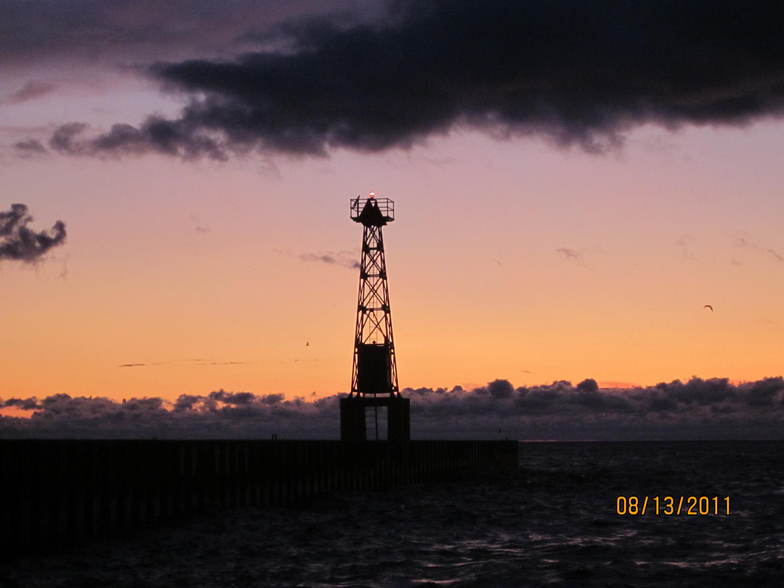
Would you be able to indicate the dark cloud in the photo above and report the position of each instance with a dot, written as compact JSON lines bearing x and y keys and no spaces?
{"x":697,"y":409}
{"x":186,"y":402}
{"x":18,"y":242}
{"x":29,"y":148}
{"x":86,"y":32}
{"x":63,"y":137}
{"x":500,"y":389}
{"x":578,"y":73}
{"x":30,"y":91}
{"x":233,"y":398}
{"x":23,"y":403}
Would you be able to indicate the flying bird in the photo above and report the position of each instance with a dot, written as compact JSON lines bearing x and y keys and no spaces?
{"x":708,"y":306}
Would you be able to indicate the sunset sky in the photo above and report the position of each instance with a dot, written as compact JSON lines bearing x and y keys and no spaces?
{"x":568,"y":245}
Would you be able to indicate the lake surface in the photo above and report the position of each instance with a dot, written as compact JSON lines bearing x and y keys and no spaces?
{"x":553,"y":524}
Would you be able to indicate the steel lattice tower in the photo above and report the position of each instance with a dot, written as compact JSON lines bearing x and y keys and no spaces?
{"x":374,"y":370}
{"x":373,"y":338}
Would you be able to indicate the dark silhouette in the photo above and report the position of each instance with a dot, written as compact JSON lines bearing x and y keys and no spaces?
{"x":59,"y":492}
{"x":374,"y":384}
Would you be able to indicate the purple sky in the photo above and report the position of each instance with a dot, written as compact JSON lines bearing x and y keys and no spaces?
{"x":574,"y":183}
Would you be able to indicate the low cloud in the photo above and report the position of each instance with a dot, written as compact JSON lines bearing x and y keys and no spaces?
{"x":697,"y":409}
{"x":22,"y":403}
{"x":20,"y":243}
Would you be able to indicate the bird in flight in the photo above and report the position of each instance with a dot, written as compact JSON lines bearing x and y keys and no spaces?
{"x":708,"y":306}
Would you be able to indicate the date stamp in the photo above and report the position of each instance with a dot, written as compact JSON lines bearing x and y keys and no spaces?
{"x":672,"y":505}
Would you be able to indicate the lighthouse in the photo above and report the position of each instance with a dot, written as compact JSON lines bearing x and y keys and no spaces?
{"x":374,"y":409}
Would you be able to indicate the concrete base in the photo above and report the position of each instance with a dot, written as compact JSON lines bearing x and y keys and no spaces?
{"x":352,"y":417}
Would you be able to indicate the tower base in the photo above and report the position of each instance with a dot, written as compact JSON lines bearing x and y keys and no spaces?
{"x":353,"y":425}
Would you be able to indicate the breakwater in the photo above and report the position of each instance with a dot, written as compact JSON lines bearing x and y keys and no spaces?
{"x":57,"y":492}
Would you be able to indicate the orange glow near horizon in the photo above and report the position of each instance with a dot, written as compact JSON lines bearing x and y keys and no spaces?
{"x":527,"y":264}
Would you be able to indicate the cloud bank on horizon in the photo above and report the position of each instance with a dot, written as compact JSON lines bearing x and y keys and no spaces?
{"x":697,"y":409}
{"x":577,"y":73}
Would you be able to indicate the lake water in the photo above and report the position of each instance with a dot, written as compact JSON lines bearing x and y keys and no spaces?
{"x":553,"y":524}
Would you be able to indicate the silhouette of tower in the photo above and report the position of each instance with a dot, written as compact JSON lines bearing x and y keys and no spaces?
{"x":374,"y":389}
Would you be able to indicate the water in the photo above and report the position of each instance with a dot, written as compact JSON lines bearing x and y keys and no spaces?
{"x":553,"y":524}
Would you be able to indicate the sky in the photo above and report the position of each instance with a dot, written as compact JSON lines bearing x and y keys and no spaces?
{"x":573,"y":182}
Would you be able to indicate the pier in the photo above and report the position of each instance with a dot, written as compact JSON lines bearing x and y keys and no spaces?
{"x":61,"y":492}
